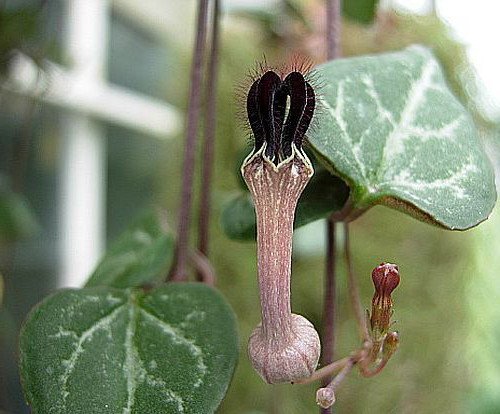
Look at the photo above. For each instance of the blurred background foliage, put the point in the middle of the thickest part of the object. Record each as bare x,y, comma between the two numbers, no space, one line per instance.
448,331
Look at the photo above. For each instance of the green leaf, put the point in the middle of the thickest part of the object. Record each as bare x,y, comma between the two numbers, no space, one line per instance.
322,196
361,11
17,220
19,25
391,128
106,351
143,254
238,217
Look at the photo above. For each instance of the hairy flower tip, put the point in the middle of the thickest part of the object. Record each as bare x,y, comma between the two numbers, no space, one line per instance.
279,112
285,359
325,397
385,278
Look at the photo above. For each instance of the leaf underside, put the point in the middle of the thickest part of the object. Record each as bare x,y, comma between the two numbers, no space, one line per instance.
390,127
104,350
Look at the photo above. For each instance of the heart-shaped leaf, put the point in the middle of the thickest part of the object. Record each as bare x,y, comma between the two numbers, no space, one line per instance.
324,195
389,125
141,255
104,350
362,11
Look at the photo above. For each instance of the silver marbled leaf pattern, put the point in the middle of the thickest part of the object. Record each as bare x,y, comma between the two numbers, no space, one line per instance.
389,125
105,350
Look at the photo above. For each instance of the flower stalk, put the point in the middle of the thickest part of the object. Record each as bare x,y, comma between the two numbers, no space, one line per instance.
379,343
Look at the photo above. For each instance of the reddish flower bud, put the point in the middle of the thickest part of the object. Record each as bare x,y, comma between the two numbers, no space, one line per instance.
385,279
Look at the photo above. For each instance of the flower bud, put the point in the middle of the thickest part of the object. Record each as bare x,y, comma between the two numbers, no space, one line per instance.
325,397
390,346
385,279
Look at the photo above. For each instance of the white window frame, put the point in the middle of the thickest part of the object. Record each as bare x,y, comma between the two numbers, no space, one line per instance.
81,90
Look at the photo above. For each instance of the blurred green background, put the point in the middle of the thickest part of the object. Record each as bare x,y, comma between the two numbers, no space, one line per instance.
447,305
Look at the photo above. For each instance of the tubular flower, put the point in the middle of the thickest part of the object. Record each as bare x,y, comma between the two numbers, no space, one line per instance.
284,347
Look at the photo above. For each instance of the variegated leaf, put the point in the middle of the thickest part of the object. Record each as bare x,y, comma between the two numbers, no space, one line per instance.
389,125
110,351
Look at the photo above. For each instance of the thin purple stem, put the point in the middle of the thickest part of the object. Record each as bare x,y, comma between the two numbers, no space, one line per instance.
342,374
208,150
354,289
204,268
328,340
333,24
333,21
179,271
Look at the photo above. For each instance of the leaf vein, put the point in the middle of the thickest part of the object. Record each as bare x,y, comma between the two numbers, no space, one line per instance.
69,364
178,337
